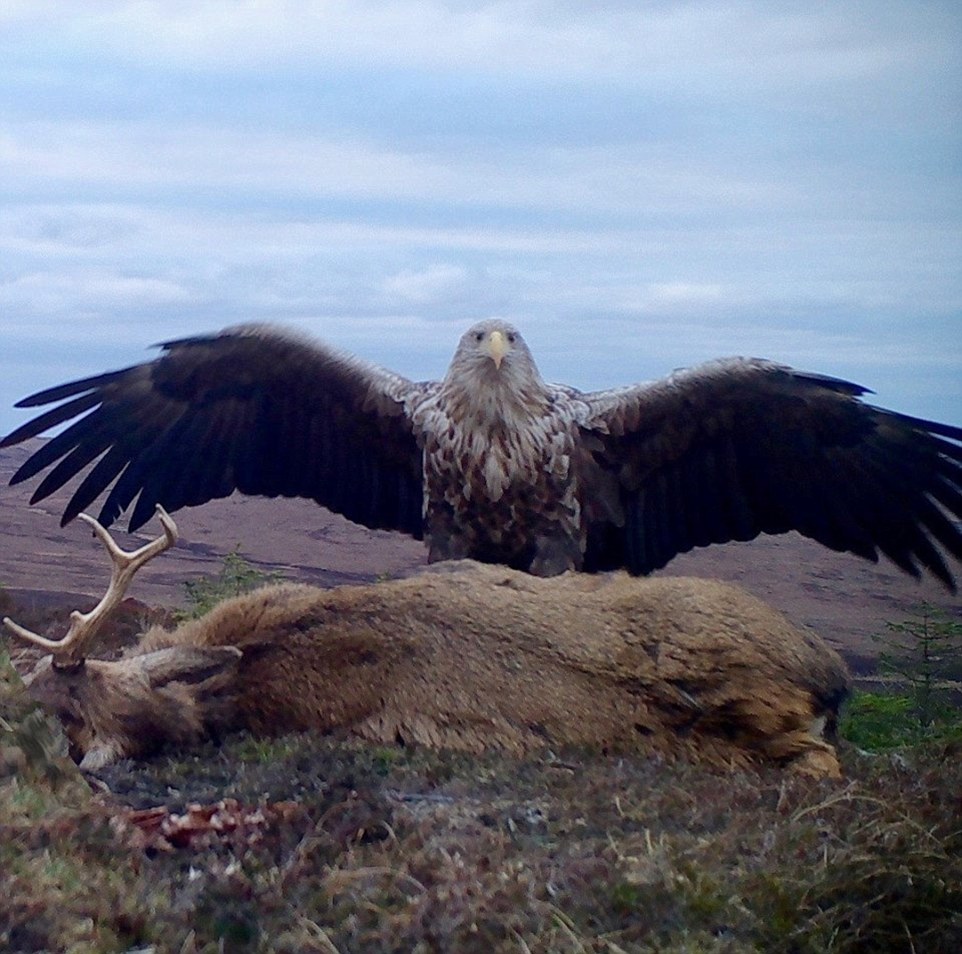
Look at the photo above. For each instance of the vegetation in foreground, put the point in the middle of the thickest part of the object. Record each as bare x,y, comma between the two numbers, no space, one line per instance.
307,844
237,575
321,844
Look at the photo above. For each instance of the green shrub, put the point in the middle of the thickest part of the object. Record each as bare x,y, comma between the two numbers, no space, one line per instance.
919,659
875,721
923,654
236,576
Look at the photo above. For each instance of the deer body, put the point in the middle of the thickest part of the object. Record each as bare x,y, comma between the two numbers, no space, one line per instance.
473,657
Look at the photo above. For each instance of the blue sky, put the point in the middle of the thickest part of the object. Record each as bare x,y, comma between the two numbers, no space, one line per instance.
639,186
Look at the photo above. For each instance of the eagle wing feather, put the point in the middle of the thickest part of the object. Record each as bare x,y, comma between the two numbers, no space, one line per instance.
738,447
253,409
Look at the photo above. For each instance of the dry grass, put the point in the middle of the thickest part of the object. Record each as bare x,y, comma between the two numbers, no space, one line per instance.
355,848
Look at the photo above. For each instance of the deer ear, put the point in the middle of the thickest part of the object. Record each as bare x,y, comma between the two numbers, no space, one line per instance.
188,664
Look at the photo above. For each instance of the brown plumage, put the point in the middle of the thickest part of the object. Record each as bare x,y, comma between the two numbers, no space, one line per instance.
493,463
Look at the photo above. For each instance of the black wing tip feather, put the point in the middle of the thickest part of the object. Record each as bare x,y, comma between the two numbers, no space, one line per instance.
23,433
948,581
71,388
839,385
939,428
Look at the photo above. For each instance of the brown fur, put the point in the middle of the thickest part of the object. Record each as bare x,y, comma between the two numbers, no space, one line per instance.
472,657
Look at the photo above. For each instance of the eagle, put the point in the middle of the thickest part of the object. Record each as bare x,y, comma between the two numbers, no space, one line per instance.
495,464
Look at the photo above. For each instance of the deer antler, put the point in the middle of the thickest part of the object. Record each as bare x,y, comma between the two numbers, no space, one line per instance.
83,626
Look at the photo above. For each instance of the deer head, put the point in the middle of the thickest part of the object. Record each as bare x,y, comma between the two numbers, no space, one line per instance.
147,697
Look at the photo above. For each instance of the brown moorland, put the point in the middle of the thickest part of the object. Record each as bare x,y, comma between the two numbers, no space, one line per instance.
843,598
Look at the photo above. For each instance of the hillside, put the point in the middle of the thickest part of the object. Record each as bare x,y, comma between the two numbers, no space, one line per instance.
843,598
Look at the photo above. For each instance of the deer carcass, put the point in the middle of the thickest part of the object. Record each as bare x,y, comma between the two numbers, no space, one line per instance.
465,655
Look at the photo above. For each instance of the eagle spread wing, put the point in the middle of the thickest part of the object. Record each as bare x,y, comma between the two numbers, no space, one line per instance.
738,447
253,409
516,470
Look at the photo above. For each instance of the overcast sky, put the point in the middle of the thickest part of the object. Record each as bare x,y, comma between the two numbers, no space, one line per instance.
639,186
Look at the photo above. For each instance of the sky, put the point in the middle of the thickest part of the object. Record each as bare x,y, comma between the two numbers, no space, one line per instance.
639,186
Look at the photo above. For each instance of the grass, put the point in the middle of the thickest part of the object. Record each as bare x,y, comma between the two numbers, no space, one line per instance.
882,722
427,851
333,845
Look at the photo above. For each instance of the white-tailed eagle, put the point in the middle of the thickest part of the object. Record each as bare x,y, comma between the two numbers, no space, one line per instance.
493,463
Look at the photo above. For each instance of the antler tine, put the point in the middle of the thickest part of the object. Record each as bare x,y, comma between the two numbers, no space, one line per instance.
83,626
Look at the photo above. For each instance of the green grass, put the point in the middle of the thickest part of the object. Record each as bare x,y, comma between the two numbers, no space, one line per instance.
881,722
236,576
922,656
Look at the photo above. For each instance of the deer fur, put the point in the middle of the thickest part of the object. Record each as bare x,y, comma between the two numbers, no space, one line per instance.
473,657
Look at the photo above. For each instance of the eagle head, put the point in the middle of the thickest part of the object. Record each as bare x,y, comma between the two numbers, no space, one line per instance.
494,348
493,377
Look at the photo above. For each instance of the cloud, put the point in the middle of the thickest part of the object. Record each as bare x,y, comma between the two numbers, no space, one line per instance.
46,292
165,161
425,285
638,185
683,294
662,41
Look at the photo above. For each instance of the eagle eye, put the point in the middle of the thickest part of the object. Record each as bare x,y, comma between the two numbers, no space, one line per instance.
512,337
479,336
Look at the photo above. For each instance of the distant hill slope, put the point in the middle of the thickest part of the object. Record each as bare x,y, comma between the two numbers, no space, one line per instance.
843,598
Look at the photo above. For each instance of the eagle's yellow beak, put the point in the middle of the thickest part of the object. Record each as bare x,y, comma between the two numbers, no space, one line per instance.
496,347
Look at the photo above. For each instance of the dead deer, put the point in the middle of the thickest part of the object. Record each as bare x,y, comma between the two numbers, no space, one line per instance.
465,655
